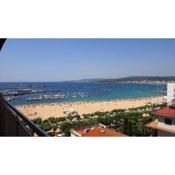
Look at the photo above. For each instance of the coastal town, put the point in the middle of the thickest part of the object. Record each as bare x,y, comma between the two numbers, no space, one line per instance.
74,102
131,117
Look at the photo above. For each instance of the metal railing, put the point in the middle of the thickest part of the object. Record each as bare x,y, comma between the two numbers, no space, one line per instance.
14,123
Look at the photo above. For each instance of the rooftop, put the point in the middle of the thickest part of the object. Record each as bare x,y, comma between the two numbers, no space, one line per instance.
167,111
98,130
83,130
103,132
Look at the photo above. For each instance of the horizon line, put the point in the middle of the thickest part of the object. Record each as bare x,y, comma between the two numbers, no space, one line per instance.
83,79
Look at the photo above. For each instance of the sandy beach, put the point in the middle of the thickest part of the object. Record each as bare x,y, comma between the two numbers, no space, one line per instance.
45,111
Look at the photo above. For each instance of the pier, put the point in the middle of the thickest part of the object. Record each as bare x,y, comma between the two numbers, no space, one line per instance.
29,92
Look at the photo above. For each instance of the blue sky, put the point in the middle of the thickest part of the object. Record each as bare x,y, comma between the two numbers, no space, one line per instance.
73,59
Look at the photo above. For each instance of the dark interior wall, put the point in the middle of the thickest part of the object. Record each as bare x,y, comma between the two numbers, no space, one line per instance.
2,41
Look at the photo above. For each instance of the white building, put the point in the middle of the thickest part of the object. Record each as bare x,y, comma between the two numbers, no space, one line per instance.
70,112
165,123
170,98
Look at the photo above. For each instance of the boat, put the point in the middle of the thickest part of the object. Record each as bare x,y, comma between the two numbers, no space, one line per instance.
34,99
47,97
10,98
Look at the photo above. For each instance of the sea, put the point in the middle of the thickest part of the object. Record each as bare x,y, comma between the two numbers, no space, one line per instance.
79,91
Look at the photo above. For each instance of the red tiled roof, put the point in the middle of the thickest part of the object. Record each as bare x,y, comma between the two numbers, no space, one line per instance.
84,129
167,111
103,132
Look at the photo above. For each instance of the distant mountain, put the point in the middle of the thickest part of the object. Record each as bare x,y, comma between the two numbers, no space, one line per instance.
142,79
91,80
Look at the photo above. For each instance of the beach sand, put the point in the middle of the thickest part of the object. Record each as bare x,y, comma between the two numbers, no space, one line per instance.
45,111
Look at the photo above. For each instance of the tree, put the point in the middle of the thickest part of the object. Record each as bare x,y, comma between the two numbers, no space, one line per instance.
46,126
37,121
54,127
66,127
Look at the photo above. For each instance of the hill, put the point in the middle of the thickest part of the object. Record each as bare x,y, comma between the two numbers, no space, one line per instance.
142,79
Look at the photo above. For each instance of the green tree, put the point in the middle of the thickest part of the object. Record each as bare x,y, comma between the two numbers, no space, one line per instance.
37,121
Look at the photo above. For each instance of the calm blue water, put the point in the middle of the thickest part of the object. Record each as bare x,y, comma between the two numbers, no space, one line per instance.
84,91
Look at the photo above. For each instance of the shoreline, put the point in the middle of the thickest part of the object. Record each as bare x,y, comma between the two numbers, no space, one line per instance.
46,110
98,101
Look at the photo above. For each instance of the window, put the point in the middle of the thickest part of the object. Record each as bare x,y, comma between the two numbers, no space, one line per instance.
168,121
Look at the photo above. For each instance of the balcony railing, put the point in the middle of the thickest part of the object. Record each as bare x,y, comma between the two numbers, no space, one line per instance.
14,123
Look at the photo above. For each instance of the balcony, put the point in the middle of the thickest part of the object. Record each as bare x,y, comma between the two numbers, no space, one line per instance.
14,123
